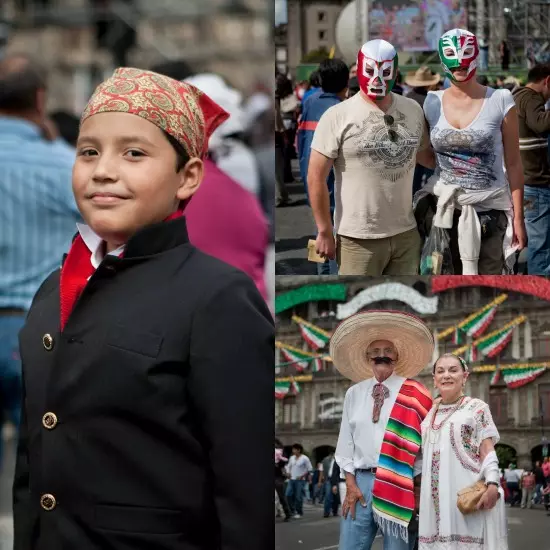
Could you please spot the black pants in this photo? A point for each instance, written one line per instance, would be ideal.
(280, 488)
(515, 492)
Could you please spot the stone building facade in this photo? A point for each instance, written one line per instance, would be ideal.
(232, 38)
(312, 417)
(311, 25)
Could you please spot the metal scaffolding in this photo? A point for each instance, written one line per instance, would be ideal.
(524, 25)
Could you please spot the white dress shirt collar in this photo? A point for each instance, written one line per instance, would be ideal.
(95, 244)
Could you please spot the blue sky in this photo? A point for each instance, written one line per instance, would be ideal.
(280, 11)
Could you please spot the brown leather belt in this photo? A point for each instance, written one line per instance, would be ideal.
(369, 470)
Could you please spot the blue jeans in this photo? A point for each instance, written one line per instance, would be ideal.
(295, 495)
(10, 371)
(536, 207)
(359, 534)
(332, 501)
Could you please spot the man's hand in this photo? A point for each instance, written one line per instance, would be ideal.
(325, 245)
(353, 494)
(489, 499)
(520, 233)
(335, 489)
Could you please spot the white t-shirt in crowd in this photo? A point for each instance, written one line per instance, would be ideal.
(298, 467)
(473, 156)
(373, 174)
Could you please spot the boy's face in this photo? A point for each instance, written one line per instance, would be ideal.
(124, 176)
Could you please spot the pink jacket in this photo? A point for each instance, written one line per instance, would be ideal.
(227, 222)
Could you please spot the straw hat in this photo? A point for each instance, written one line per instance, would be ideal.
(422, 77)
(412, 339)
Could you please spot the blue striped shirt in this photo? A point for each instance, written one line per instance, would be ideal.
(38, 213)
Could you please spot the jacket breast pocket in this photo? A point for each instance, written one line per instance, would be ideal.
(143, 343)
(138, 519)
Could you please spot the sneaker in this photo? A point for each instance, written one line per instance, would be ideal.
(296, 516)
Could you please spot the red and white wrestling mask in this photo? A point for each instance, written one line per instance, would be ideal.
(377, 68)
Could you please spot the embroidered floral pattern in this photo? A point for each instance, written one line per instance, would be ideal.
(450, 538)
(472, 450)
(481, 417)
(458, 455)
(435, 486)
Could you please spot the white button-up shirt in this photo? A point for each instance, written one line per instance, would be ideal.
(95, 244)
(360, 439)
(298, 467)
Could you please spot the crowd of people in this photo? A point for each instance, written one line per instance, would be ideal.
(422, 172)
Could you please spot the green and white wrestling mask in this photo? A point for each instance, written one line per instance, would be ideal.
(458, 51)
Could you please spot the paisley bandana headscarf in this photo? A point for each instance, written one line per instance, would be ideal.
(377, 69)
(180, 109)
(458, 49)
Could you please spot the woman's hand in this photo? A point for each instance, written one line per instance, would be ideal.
(520, 233)
(489, 499)
(353, 494)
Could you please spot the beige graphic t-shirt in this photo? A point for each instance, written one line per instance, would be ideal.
(375, 157)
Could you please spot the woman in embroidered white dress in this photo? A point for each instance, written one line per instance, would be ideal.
(458, 438)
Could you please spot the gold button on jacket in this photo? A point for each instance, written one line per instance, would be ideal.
(47, 340)
(47, 502)
(49, 421)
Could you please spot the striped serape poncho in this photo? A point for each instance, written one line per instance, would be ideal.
(393, 500)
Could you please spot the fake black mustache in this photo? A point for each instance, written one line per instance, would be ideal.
(382, 360)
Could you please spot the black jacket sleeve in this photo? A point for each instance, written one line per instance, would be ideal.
(24, 511)
(231, 388)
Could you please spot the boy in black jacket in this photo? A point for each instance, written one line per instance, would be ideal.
(147, 365)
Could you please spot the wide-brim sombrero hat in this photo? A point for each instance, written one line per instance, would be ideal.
(411, 337)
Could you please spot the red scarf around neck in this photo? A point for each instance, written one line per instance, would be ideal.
(76, 271)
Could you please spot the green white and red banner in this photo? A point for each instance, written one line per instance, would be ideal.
(316, 337)
(299, 358)
(491, 347)
(475, 324)
(495, 377)
(515, 378)
(282, 389)
(492, 344)
(471, 354)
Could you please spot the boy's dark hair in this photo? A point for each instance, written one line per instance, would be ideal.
(182, 155)
(334, 75)
(20, 79)
(298, 447)
(315, 79)
(538, 73)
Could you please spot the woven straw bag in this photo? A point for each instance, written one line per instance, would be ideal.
(469, 497)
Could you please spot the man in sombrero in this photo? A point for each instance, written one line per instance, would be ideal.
(379, 443)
